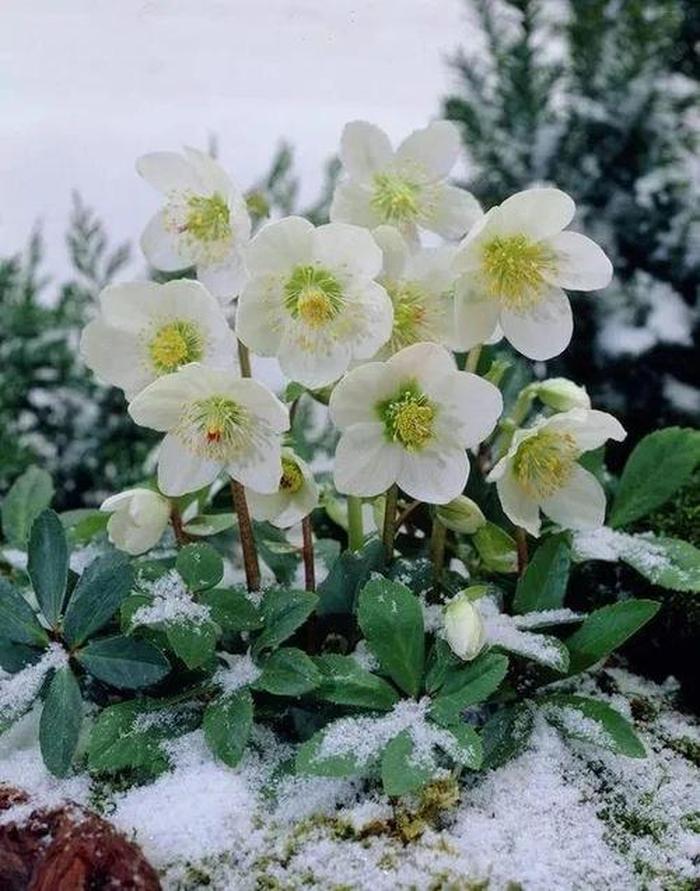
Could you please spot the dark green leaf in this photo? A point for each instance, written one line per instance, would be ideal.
(84, 524)
(283, 612)
(391, 620)
(310, 761)
(605, 630)
(98, 595)
(193, 641)
(29, 495)
(401, 772)
(276, 552)
(200, 566)
(345, 682)
(14, 657)
(210, 524)
(464, 746)
(441, 660)
(288, 672)
(48, 564)
(543, 584)
(594, 722)
(61, 720)
(124, 662)
(496, 548)
(505, 734)
(468, 685)
(338, 593)
(18, 621)
(658, 466)
(227, 723)
(668, 562)
(231, 609)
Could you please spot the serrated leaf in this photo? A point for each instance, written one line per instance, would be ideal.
(543, 584)
(594, 722)
(28, 496)
(338, 592)
(61, 720)
(401, 771)
(506, 734)
(47, 564)
(97, 596)
(283, 612)
(200, 566)
(18, 620)
(193, 641)
(231, 609)
(124, 662)
(605, 630)
(391, 620)
(288, 672)
(468, 685)
(227, 724)
(345, 682)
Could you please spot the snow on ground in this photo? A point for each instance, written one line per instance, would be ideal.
(563, 815)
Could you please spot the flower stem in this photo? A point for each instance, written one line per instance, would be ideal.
(392, 496)
(245, 531)
(181, 537)
(356, 534)
(523, 556)
(437, 547)
(307, 552)
(244, 359)
(473, 358)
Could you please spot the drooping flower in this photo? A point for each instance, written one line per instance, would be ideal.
(312, 300)
(409, 421)
(138, 519)
(145, 330)
(464, 628)
(406, 188)
(513, 265)
(295, 498)
(561, 394)
(541, 471)
(461, 515)
(213, 421)
(204, 221)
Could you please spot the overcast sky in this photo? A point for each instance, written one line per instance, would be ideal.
(88, 85)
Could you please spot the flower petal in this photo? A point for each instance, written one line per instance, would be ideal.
(366, 464)
(224, 280)
(436, 473)
(115, 357)
(280, 246)
(261, 403)
(469, 407)
(428, 363)
(539, 213)
(580, 504)
(395, 252)
(348, 250)
(432, 151)
(517, 505)
(163, 249)
(210, 174)
(590, 427)
(351, 204)
(581, 264)
(129, 306)
(261, 468)
(160, 405)
(364, 150)
(475, 316)
(355, 397)
(543, 332)
(258, 315)
(267, 507)
(370, 314)
(450, 212)
(180, 471)
(312, 363)
(167, 171)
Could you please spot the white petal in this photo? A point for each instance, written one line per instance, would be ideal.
(580, 504)
(590, 427)
(258, 316)
(355, 397)
(475, 316)
(432, 151)
(163, 249)
(167, 171)
(161, 404)
(366, 463)
(210, 174)
(395, 252)
(121, 499)
(351, 204)
(517, 505)
(260, 402)
(432, 268)
(115, 357)
(267, 507)
(314, 365)
(261, 469)
(450, 211)
(184, 298)
(581, 264)
(224, 280)
(364, 150)
(428, 363)
(545, 331)
(280, 246)
(348, 250)
(468, 407)
(435, 474)
(129, 306)
(372, 313)
(180, 471)
(539, 213)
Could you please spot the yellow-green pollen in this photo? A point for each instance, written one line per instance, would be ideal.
(292, 477)
(395, 198)
(544, 463)
(208, 218)
(215, 428)
(175, 344)
(512, 266)
(408, 417)
(411, 315)
(313, 295)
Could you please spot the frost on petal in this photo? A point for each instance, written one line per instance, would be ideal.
(581, 264)
(436, 473)
(432, 151)
(544, 331)
(579, 504)
(364, 150)
(366, 463)
(180, 471)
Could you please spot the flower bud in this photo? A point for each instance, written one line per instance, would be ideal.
(464, 628)
(461, 515)
(562, 394)
(139, 519)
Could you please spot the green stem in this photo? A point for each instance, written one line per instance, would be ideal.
(181, 537)
(245, 532)
(356, 534)
(437, 547)
(473, 358)
(389, 532)
(244, 360)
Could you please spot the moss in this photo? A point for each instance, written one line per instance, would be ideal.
(691, 821)
(680, 517)
(618, 814)
(643, 709)
(688, 748)
(435, 800)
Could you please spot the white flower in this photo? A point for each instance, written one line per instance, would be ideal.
(464, 628)
(204, 221)
(540, 470)
(405, 188)
(145, 330)
(312, 301)
(408, 421)
(296, 497)
(419, 282)
(514, 264)
(562, 394)
(139, 519)
(214, 421)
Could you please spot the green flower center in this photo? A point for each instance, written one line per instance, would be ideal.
(395, 198)
(408, 417)
(175, 344)
(313, 294)
(292, 477)
(215, 427)
(412, 316)
(513, 267)
(544, 463)
(208, 218)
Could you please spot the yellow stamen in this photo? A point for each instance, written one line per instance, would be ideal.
(544, 463)
(208, 218)
(175, 344)
(395, 198)
(292, 477)
(512, 267)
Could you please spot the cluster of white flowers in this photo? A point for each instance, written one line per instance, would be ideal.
(360, 306)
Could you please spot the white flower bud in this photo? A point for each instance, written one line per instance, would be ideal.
(461, 515)
(139, 519)
(464, 628)
(562, 394)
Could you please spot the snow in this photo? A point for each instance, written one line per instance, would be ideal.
(19, 690)
(503, 630)
(609, 545)
(240, 671)
(171, 602)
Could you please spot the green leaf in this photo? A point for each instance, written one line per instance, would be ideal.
(468, 685)
(276, 552)
(227, 724)
(401, 772)
(47, 564)
(496, 548)
(231, 609)
(14, 657)
(465, 746)
(18, 620)
(288, 672)
(283, 612)
(338, 592)
(84, 524)
(210, 524)
(441, 660)
(543, 584)
(98, 595)
(124, 662)
(345, 682)
(506, 734)
(200, 566)
(193, 641)
(391, 619)
(29, 495)
(61, 720)
(658, 466)
(605, 630)
(594, 722)
(309, 761)
(670, 562)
